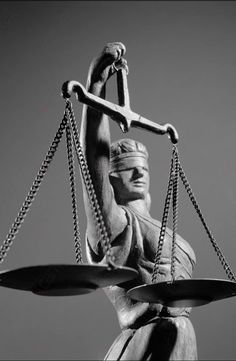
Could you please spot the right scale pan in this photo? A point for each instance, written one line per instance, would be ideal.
(184, 293)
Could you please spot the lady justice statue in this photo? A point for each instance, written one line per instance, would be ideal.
(120, 175)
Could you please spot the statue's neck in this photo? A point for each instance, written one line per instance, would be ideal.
(140, 206)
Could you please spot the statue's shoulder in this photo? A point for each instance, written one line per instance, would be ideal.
(186, 248)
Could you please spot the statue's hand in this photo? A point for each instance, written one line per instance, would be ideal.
(107, 63)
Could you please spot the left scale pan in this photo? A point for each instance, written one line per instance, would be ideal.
(64, 279)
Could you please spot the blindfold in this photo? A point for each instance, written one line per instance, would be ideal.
(128, 160)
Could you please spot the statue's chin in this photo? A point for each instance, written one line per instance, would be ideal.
(134, 197)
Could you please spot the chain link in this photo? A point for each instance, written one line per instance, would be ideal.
(220, 255)
(7, 243)
(70, 155)
(98, 218)
(163, 222)
(175, 210)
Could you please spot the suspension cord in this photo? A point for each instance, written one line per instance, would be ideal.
(175, 210)
(219, 253)
(7, 243)
(177, 171)
(97, 214)
(164, 220)
(70, 155)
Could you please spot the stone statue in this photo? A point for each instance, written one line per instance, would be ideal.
(120, 175)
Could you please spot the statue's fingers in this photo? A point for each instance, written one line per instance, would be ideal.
(121, 48)
(116, 50)
(121, 64)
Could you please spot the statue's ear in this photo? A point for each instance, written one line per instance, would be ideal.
(113, 175)
(148, 201)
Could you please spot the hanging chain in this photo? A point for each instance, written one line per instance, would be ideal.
(98, 218)
(70, 155)
(7, 243)
(164, 221)
(175, 210)
(220, 255)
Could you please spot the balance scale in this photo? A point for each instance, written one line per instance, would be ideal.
(80, 278)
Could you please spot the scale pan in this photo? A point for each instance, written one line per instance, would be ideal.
(184, 293)
(65, 279)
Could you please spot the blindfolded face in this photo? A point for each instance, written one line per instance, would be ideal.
(130, 179)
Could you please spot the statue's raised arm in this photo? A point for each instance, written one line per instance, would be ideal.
(95, 139)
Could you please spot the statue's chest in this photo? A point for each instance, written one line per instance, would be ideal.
(148, 232)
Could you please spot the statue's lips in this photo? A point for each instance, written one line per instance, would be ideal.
(139, 183)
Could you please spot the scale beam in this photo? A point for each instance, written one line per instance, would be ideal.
(123, 115)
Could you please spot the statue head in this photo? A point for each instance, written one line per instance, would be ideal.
(129, 173)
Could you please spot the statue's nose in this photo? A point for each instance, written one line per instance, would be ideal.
(138, 171)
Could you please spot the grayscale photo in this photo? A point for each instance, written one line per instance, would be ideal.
(118, 205)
